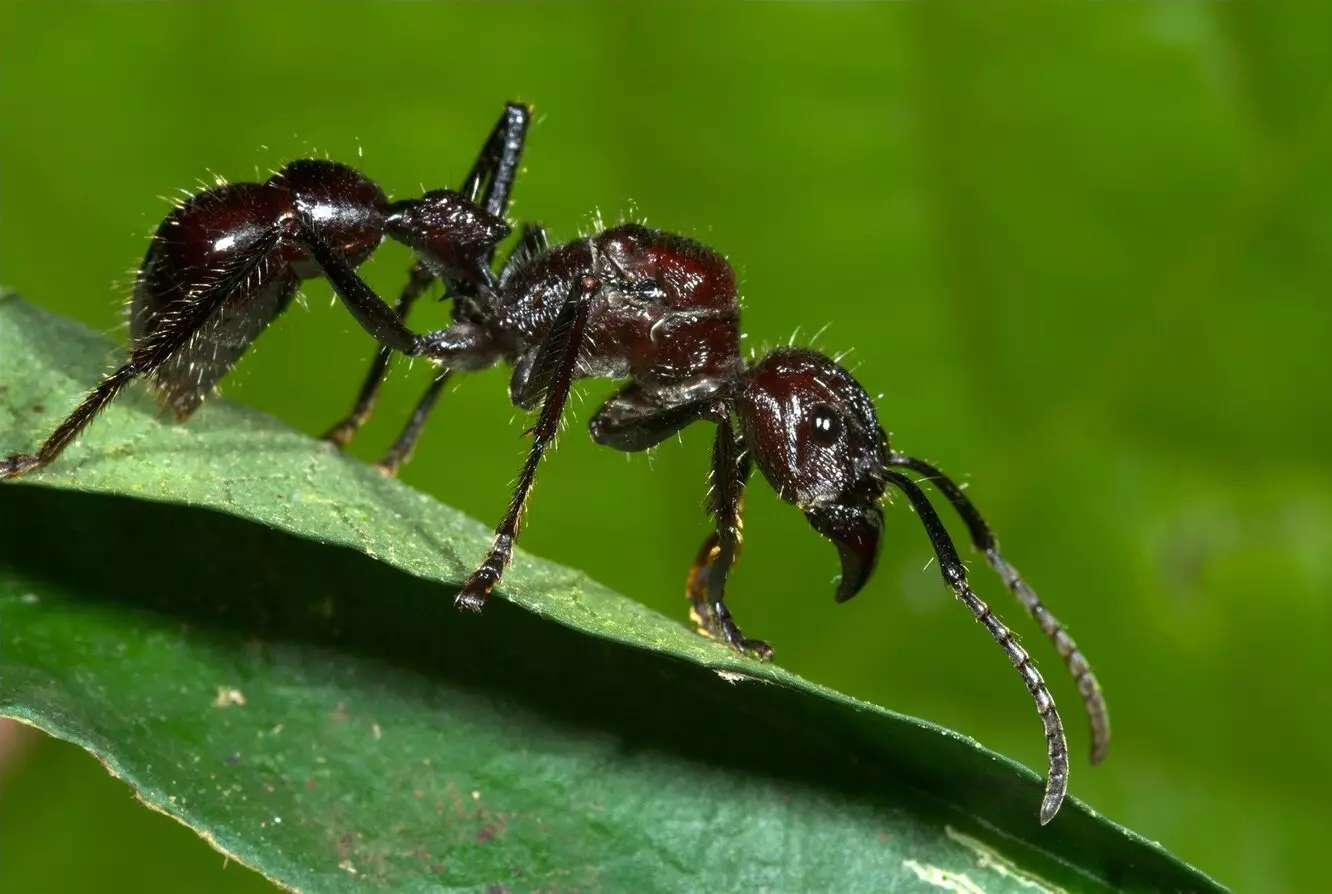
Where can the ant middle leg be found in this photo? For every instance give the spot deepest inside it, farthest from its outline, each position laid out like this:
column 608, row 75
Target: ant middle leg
column 341, row 434
column 553, row 375
column 531, row 243
column 490, row 184
column 401, row 449
column 462, row 347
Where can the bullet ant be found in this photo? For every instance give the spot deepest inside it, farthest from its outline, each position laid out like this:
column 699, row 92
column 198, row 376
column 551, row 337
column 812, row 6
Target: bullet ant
column 631, row 303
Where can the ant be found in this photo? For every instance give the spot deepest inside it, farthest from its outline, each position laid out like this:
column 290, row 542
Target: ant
column 654, row 308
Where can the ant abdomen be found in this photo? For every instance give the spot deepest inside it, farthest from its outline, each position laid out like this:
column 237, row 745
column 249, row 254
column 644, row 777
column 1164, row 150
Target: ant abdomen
column 217, row 233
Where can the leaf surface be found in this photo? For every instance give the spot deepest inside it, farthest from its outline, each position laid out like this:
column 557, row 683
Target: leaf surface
column 263, row 645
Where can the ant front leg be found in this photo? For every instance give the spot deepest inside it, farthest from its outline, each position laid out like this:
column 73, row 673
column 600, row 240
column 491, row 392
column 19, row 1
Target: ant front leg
column 706, row 587
column 632, row 421
column 553, row 374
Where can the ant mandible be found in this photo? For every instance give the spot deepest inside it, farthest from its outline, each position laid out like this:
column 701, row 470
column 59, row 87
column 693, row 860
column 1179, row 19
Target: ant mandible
column 653, row 308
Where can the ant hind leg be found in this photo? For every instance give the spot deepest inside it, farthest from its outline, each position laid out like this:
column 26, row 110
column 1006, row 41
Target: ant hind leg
column 489, row 183
column 341, row 434
column 531, row 243
column 153, row 353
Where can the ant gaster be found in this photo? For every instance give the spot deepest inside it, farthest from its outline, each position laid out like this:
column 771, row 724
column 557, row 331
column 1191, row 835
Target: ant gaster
column 653, row 308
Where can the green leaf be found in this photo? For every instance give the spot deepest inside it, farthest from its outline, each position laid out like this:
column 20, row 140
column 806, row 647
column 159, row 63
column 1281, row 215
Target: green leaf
column 263, row 646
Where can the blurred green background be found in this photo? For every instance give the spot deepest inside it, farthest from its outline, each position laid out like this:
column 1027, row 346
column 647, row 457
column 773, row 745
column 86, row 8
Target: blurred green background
column 1082, row 251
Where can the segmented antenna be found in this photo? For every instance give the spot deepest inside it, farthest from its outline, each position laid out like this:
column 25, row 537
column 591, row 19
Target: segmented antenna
column 984, row 540
column 1056, row 781
column 1090, row 690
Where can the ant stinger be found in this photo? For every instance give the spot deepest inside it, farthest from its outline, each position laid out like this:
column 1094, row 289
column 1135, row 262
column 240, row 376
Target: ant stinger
column 655, row 309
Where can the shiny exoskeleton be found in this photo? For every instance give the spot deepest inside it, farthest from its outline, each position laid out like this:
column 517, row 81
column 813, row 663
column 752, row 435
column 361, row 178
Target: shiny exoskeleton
column 655, row 309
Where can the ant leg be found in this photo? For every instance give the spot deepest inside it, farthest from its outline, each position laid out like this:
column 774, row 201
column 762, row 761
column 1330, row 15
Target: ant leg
column 17, row 464
column 984, row 540
column 497, row 164
column 531, row 243
column 955, row 575
column 706, row 586
column 151, row 355
column 341, row 434
column 632, row 420
column 554, row 374
column 402, row 448
column 463, row 347
column 373, row 314
column 496, row 167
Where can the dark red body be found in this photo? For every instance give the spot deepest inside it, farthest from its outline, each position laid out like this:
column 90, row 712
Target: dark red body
column 667, row 315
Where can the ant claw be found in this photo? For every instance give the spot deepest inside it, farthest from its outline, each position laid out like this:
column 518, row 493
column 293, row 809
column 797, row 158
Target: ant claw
column 388, row 468
column 471, row 598
column 754, row 648
column 16, row 464
column 339, row 435
column 476, row 589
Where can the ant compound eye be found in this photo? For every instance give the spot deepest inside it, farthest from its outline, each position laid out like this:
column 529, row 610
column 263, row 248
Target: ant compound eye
column 826, row 425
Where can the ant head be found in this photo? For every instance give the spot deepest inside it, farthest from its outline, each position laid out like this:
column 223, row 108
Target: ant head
column 814, row 434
